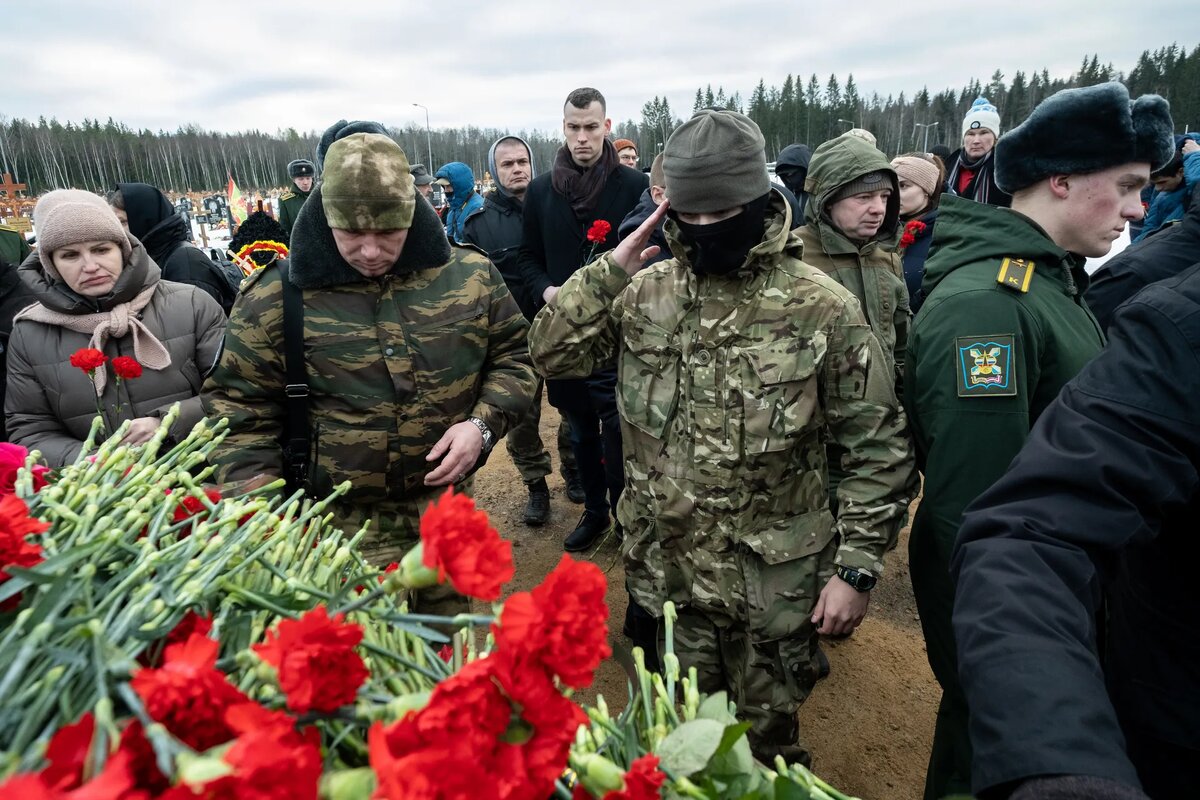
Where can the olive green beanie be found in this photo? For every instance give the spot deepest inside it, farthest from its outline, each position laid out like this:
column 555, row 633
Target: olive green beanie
column 366, row 184
column 714, row 161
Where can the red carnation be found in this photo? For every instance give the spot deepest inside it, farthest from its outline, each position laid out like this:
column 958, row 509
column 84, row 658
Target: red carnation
column 551, row 721
column 188, row 694
column 561, row 623
column 318, row 667
column 599, row 231
column 12, row 458
column 192, row 506
column 126, row 367
column 642, row 782
column 190, row 623
column 912, row 230
column 28, row 786
column 88, row 359
column 15, row 550
column 270, row 759
column 67, row 754
column 460, row 544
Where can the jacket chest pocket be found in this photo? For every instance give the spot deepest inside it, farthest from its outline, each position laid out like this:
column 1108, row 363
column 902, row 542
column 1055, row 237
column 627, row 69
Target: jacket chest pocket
column 780, row 397
column 448, row 359
column 648, row 384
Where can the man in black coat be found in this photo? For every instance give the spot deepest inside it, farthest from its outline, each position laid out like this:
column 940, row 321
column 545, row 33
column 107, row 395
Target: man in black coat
column 1155, row 258
column 497, row 229
column 1101, row 504
column 586, row 184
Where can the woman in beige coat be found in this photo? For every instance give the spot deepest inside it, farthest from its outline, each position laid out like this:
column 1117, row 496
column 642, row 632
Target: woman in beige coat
column 97, row 288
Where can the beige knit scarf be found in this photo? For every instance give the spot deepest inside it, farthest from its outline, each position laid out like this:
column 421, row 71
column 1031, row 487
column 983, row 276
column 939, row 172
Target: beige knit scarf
column 122, row 319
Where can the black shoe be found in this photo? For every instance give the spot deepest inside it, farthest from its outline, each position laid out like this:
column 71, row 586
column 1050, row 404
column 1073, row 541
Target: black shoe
column 590, row 528
column 575, row 491
column 537, row 510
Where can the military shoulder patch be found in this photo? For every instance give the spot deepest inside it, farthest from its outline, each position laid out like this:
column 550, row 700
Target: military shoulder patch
column 1015, row 274
column 985, row 366
column 286, row 196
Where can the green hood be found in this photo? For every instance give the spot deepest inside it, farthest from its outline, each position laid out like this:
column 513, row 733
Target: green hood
column 968, row 232
column 833, row 165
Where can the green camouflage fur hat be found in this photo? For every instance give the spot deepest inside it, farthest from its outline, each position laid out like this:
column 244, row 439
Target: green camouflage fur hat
column 366, row 185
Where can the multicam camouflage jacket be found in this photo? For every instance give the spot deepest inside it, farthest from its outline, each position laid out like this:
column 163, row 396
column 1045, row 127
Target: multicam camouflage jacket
column 728, row 389
column 391, row 363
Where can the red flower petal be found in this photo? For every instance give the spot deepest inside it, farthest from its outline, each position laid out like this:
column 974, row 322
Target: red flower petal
column 461, row 544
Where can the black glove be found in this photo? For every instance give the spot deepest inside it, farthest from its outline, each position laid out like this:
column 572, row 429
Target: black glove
column 1076, row 787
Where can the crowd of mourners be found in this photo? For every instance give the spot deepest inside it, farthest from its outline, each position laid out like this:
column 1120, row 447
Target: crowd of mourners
column 756, row 375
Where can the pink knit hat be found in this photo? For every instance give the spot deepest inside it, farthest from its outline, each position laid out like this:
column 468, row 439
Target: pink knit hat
column 917, row 171
column 70, row 216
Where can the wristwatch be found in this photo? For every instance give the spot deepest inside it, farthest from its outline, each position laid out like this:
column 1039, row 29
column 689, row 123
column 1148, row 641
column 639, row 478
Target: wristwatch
column 861, row 581
column 489, row 438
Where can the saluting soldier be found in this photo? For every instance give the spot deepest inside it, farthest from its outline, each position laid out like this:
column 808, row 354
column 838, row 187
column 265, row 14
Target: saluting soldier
column 737, row 362
column 303, row 173
column 1004, row 326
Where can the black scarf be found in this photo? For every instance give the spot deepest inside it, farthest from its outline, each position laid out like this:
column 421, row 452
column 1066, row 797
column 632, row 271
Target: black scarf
column 582, row 186
column 980, row 187
column 721, row 247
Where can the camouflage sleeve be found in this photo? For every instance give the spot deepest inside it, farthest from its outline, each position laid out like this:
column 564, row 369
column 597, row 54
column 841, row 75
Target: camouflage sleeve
column 509, row 382
column 868, row 424
column 577, row 334
column 209, row 330
column 247, row 387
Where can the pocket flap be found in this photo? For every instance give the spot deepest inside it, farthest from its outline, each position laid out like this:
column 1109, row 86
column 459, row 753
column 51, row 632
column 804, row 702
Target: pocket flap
column 645, row 340
column 788, row 360
column 791, row 537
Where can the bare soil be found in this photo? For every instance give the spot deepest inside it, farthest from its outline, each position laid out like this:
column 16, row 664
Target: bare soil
column 869, row 725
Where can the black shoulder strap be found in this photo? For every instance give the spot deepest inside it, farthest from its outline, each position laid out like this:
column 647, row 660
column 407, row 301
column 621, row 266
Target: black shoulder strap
column 298, row 441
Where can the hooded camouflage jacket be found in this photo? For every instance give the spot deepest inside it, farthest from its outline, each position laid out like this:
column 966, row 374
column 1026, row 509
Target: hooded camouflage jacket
column 728, row 388
column 392, row 363
column 872, row 271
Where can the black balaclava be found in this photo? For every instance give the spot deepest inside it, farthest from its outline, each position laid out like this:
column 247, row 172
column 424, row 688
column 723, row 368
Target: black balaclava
column 721, row 247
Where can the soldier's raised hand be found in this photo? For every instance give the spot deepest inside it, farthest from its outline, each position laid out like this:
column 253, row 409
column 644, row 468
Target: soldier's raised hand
column 631, row 254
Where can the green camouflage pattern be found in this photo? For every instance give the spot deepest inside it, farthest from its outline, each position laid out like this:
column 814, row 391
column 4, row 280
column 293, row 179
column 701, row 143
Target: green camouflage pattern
column 524, row 444
column 290, row 204
column 767, row 680
column 366, row 184
column 729, row 388
column 392, row 363
column 873, row 271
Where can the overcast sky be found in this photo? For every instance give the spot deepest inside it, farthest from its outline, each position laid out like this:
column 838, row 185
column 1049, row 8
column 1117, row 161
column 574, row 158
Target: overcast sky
column 304, row 64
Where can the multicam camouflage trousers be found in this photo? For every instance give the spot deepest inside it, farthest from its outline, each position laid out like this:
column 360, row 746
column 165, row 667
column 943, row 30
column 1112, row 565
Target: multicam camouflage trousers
column 524, row 443
column 766, row 680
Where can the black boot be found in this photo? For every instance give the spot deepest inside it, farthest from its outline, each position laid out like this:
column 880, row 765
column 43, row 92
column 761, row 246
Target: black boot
column 537, row 510
column 589, row 529
column 574, row 485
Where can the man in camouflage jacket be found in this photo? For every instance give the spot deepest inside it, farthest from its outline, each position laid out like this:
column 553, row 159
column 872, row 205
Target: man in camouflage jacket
column 736, row 362
column 415, row 351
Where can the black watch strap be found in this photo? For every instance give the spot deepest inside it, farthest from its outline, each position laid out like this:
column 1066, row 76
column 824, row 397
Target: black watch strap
column 861, row 581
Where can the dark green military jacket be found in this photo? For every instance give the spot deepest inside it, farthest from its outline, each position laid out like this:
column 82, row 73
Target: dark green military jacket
column 13, row 247
column 290, row 203
column 729, row 387
column 992, row 346
column 391, row 362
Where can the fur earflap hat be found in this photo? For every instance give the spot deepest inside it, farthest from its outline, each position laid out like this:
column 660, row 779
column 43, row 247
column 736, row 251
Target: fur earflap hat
column 70, row 216
column 1085, row 130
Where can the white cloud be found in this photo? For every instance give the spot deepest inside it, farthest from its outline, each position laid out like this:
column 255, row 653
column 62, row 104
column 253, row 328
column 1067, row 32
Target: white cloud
column 306, row 63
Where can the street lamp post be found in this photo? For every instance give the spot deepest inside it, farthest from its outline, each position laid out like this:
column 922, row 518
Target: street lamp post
column 428, row 138
column 849, row 122
column 926, row 126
